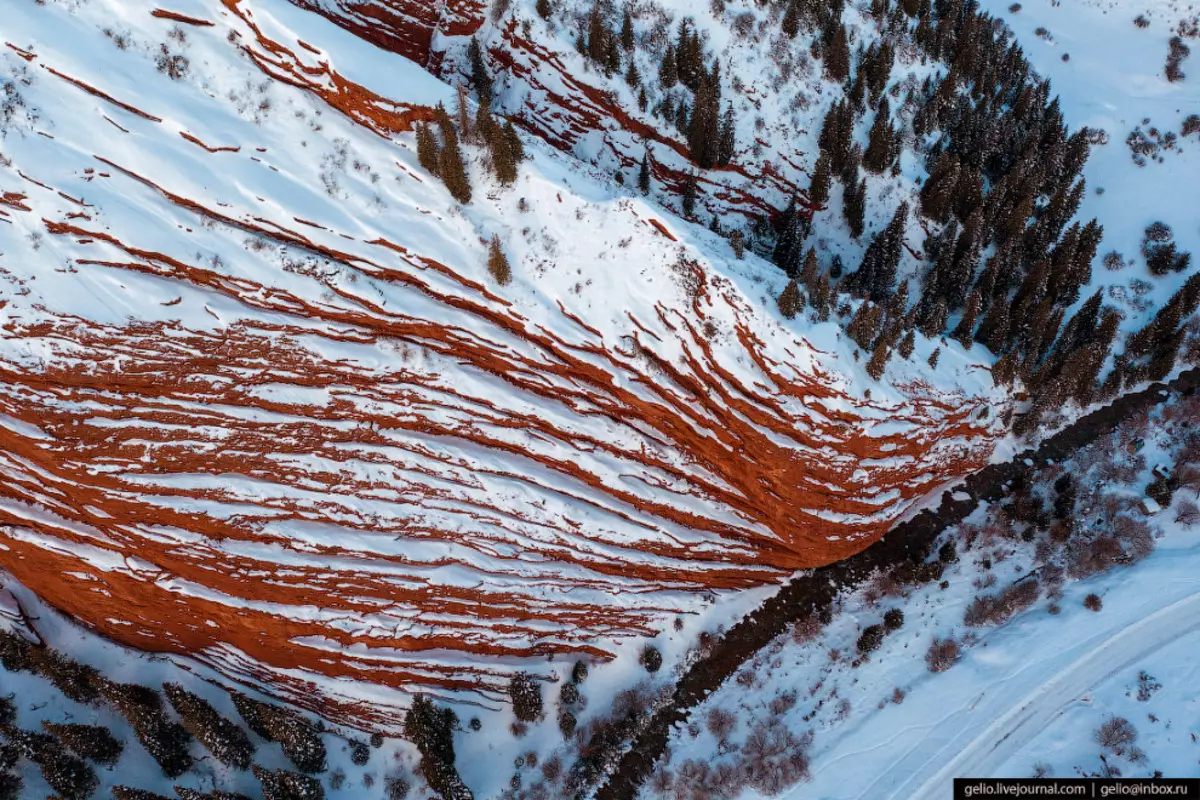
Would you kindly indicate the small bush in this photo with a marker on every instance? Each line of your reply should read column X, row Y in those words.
column 360, row 753
column 1092, row 602
column 567, row 724
column 720, row 723
column 775, row 758
column 526, row 695
column 1116, row 734
column 997, row 608
column 579, row 672
column 893, row 619
column 806, row 629
column 396, row 788
column 870, row 639
column 941, row 655
column 651, row 659
column 568, row 695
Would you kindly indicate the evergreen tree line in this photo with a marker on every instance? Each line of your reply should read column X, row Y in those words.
column 66, row 752
column 439, row 146
column 1004, row 183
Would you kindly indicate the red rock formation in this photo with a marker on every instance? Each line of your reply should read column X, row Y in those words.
column 288, row 495
column 406, row 27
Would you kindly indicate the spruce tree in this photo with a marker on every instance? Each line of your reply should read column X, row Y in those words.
column 633, row 78
column 965, row 330
column 543, row 8
column 643, row 181
column 837, row 56
column 993, row 331
column 878, row 156
column 854, row 207
column 497, row 262
column 481, row 80
column 907, row 344
column 668, row 74
column 689, row 195
column 299, row 738
column 876, row 275
column 166, row 741
column 737, row 240
column 627, row 41
column 789, row 242
column 879, row 358
column 818, row 190
column 726, row 143
column 791, row 19
column 450, row 161
column 431, row 729
column 864, row 327
column 428, row 149
column 790, row 302
column 93, row 742
column 227, row 742
column 934, row 357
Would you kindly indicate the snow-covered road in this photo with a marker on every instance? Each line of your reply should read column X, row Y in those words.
column 975, row 720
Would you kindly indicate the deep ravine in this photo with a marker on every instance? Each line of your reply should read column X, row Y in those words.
column 910, row 540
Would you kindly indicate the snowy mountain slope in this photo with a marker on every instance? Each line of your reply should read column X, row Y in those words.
column 1109, row 75
column 264, row 406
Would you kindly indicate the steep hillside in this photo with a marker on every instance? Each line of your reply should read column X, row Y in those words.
column 264, row 404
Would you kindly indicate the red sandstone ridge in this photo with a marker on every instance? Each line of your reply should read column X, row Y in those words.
column 406, row 27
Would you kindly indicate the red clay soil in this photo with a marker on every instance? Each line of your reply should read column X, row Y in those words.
column 102, row 95
column 175, row 16
column 227, row 149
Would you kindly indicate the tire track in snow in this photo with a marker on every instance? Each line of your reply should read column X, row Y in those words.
column 987, row 750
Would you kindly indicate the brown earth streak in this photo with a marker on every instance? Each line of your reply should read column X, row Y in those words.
column 77, row 494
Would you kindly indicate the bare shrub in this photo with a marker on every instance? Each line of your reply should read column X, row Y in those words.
column 1116, row 734
column 1177, row 52
column 806, row 629
column 783, row 703
column 1188, row 513
column 774, row 757
column 720, row 723
column 997, row 608
column 173, row 65
column 941, row 655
